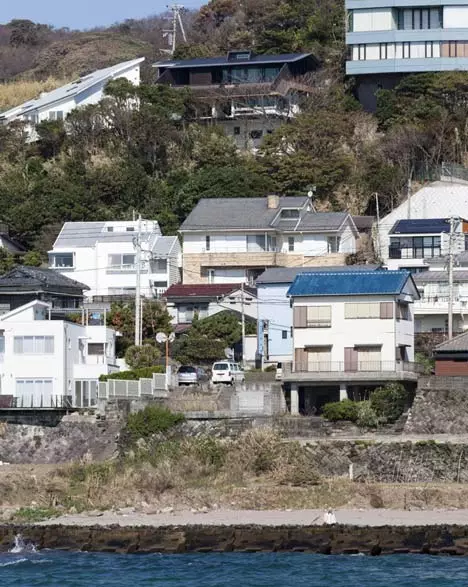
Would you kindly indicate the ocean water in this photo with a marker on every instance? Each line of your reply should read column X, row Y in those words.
column 53, row 568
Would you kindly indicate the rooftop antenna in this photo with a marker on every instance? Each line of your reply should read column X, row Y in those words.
column 171, row 34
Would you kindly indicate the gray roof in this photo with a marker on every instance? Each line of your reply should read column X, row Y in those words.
column 86, row 234
column 72, row 89
column 363, row 222
column 288, row 274
column 458, row 343
column 164, row 246
column 34, row 278
column 223, row 60
column 253, row 213
column 439, row 277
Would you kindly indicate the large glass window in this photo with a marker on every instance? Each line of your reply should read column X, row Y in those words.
column 121, row 262
column 86, row 393
column 415, row 247
column 34, row 393
column 33, row 345
column 419, row 18
column 60, row 260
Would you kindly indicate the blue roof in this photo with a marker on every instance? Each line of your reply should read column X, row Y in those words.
column 338, row 283
column 223, row 61
column 421, row 226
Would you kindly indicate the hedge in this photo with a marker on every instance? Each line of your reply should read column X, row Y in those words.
column 135, row 374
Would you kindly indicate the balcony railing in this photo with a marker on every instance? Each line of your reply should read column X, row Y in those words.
column 358, row 367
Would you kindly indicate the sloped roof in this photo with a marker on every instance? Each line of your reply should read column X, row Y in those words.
column 439, row 277
column 164, row 246
column 37, row 278
column 223, row 60
column 253, row 213
column 205, row 290
column 363, row 222
column 458, row 343
column 421, row 226
column 86, row 234
column 349, row 283
column 72, row 89
column 288, row 274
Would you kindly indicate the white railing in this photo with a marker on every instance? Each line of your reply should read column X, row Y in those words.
column 125, row 389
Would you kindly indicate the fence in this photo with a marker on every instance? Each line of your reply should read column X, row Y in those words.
column 125, row 389
column 39, row 401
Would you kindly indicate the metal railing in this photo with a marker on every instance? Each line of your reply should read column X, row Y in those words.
column 357, row 367
column 126, row 389
column 33, row 401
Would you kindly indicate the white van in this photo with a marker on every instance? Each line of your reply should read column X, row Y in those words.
column 227, row 372
column 279, row 371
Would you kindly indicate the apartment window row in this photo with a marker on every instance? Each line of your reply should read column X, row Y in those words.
column 387, row 19
column 416, row 50
column 33, row 345
column 419, row 18
column 415, row 247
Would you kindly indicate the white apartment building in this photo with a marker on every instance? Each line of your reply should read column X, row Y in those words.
column 352, row 331
column 388, row 39
column 102, row 255
column 233, row 240
column 47, row 363
column 57, row 104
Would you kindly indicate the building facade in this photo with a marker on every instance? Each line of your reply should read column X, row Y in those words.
column 47, row 363
column 103, row 256
column 57, row 104
column 388, row 39
column 248, row 95
column 352, row 332
column 233, row 240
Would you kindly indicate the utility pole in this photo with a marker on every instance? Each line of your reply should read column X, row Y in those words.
column 377, row 209
column 243, row 324
column 453, row 224
column 409, row 192
column 137, row 244
column 171, row 34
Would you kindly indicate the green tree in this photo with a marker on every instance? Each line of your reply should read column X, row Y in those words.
column 138, row 357
column 32, row 259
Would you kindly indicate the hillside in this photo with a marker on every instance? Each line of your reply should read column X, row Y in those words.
column 160, row 165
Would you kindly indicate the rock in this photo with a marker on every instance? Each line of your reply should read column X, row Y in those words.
column 126, row 511
column 72, row 510
column 167, row 510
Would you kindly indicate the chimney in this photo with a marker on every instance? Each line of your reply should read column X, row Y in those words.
column 273, row 201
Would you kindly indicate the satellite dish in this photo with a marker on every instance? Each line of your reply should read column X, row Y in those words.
column 161, row 337
column 172, row 337
column 229, row 353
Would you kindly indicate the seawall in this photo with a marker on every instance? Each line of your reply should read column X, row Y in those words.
column 341, row 539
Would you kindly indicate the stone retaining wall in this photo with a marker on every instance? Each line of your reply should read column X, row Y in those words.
column 452, row 540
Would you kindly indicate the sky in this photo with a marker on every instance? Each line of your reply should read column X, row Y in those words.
column 84, row 14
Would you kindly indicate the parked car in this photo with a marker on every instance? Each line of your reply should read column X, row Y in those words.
column 279, row 371
column 189, row 375
column 227, row 372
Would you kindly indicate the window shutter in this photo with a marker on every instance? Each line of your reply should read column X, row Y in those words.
column 300, row 360
column 386, row 310
column 300, row 317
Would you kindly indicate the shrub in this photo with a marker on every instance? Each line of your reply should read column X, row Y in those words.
column 344, row 410
column 134, row 374
column 142, row 356
column 151, row 420
column 367, row 418
column 389, row 402
column 31, row 515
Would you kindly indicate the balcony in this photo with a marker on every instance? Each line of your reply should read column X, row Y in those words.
column 367, row 371
column 438, row 305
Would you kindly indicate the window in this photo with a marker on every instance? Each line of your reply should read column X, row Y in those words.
column 85, row 394
column 289, row 214
column 207, row 242
column 110, row 229
column 256, row 134
column 161, row 264
column 419, row 18
column 130, row 229
column 255, row 242
column 362, row 310
column 291, row 243
column 2, row 344
column 33, row 345
column 333, row 244
column 56, row 115
column 383, row 51
column 417, row 247
column 318, row 316
column 284, row 334
column 96, row 348
column 121, row 262
column 406, row 51
column 236, row 130
column 350, row 21
column 361, row 52
column 403, row 312
column 34, row 392
column 61, row 260
column 271, row 243
column 386, row 310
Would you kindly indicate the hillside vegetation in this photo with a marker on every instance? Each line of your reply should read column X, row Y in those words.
column 160, row 164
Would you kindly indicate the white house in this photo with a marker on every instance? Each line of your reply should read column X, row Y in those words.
column 46, row 363
column 437, row 202
column 233, row 240
column 352, row 332
column 185, row 301
column 57, row 104
column 102, row 255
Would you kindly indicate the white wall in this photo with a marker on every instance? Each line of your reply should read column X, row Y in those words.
column 455, row 17
column 350, row 332
column 374, row 19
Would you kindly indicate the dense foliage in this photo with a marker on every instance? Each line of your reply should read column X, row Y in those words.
column 134, row 374
column 389, row 402
column 344, row 410
column 151, row 420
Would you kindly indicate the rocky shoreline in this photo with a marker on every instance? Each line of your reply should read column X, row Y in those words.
column 340, row 539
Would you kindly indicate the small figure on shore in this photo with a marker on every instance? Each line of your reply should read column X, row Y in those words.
column 329, row 517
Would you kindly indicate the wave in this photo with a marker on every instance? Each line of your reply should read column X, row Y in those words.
column 15, row 562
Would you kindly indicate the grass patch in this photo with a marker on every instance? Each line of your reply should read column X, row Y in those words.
column 150, row 421
column 35, row 514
